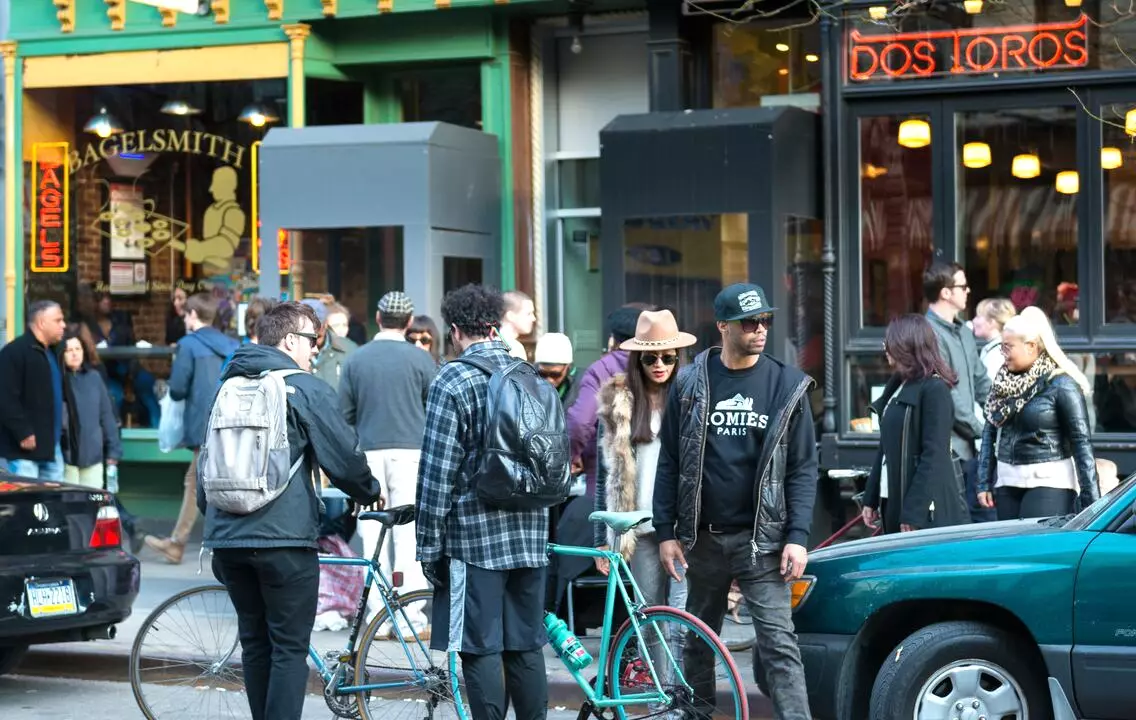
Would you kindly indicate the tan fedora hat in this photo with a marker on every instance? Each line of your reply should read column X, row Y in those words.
column 658, row 331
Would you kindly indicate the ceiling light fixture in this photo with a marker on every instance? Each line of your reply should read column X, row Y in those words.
column 180, row 108
column 1072, row 3
column 972, row 7
column 782, row 47
column 1025, row 166
column 1130, row 122
column 976, row 155
column 1111, row 158
column 258, row 115
column 103, row 124
column 812, row 57
column 914, row 133
column 1068, row 182
column 877, row 12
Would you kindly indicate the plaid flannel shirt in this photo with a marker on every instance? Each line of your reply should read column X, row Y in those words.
column 452, row 520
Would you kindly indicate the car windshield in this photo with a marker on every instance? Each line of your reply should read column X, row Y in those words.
column 1086, row 517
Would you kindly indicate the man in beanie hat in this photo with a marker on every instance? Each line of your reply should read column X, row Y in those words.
column 581, row 414
column 734, row 492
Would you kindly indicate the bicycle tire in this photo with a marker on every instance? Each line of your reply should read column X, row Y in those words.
column 627, row 630
column 368, row 637
column 151, row 619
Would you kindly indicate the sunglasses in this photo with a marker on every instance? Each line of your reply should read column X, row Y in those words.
column 312, row 338
column 424, row 340
column 649, row 359
column 752, row 324
column 551, row 372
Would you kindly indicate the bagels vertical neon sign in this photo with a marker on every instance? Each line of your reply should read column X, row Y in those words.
column 51, row 214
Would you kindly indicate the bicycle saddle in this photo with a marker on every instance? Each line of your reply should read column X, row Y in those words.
column 621, row 522
column 390, row 517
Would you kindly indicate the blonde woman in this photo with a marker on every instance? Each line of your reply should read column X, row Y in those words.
column 1036, row 459
column 990, row 317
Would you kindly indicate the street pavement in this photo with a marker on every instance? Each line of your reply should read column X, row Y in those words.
column 108, row 660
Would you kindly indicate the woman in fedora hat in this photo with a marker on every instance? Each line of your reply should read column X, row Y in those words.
column 629, row 414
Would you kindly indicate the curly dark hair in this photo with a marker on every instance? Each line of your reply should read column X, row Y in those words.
column 473, row 309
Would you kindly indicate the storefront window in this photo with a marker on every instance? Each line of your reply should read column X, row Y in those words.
column 752, row 63
column 1118, row 163
column 683, row 262
column 1114, row 390
column 444, row 94
column 1006, row 39
column 357, row 266
column 895, row 214
column 1017, row 181
column 867, row 377
column 579, row 183
column 804, row 239
column 159, row 188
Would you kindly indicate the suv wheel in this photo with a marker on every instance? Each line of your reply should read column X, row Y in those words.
column 10, row 657
column 960, row 671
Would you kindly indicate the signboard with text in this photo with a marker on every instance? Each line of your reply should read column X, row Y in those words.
column 967, row 51
column 50, row 250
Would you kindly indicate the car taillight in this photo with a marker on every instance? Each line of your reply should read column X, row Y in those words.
column 108, row 529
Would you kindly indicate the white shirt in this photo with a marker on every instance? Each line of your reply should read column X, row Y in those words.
column 646, row 459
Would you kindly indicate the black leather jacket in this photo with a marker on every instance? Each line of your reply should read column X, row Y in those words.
column 1053, row 425
column 785, row 487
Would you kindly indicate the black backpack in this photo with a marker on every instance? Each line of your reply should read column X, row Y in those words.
column 524, row 458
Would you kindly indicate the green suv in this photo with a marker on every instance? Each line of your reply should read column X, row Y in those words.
column 1021, row 620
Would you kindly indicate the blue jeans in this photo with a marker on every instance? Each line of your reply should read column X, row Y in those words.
column 50, row 470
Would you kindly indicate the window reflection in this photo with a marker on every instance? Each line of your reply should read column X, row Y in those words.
column 682, row 262
column 1016, row 174
column 1118, row 168
column 895, row 214
column 1114, row 392
column 867, row 376
column 805, row 317
column 753, row 60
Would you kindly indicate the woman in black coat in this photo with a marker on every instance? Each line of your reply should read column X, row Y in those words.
column 916, row 482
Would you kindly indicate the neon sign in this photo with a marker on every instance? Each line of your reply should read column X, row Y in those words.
column 283, row 238
column 51, row 216
column 968, row 51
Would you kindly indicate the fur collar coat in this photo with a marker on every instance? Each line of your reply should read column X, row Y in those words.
column 618, row 486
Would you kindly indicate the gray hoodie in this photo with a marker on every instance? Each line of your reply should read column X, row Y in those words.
column 959, row 349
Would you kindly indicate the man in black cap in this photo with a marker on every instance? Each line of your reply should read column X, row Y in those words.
column 734, row 492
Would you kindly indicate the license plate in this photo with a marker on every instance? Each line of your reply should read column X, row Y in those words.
column 51, row 598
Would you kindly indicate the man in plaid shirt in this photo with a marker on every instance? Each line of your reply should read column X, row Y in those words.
column 487, row 565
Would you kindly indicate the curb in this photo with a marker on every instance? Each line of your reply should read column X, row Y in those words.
column 94, row 664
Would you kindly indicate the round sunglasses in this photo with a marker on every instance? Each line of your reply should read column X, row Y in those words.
column 649, row 359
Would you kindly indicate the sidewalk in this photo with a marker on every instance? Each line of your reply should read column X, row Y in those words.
column 109, row 659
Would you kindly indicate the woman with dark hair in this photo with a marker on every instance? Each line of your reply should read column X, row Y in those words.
column 423, row 333
column 916, row 481
column 175, row 316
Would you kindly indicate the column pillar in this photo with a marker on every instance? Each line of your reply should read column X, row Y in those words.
column 668, row 57
column 11, row 164
column 297, row 104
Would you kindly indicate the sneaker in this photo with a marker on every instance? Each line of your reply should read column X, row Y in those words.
column 168, row 547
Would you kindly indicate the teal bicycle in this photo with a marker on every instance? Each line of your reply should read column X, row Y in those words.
column 645, row 668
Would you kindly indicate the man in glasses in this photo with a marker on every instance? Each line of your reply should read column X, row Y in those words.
column 553, row 358
column 198, row 360
column 734, row 492
column 333, row 347
column 947, row 292
column 382, row 392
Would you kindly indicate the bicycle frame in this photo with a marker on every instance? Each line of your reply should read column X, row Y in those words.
column 619, row 570
column 374, row 578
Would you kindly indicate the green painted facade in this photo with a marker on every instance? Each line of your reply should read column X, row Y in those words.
column 358, row 44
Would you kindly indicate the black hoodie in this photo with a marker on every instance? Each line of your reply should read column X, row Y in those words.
column 292, row 520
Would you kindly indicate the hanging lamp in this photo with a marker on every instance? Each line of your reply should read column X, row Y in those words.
column 972, row 7
column 258, row 114
column 1067, row 182
column 1072, row 3
column 103, row 124
column 180, row 108
column 914, row 133
column 1026, row 166
column 1111, row 158
column 976, row 155
column 878, row 12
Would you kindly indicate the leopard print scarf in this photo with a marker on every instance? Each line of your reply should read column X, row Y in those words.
column 1011, row 391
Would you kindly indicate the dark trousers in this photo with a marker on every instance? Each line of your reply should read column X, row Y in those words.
column 275, row 591
column 493, row 681
column 714, row 563
column 1020, row 503
column 977, row 512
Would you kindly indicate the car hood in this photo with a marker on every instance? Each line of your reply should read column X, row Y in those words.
column 938, row 536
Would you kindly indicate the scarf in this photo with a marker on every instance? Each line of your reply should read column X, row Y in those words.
column 1012, row 391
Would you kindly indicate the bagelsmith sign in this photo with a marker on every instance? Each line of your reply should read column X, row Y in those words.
column 968, row 51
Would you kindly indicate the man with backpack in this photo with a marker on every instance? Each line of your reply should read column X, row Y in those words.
column 269, row 428
column 484, row 486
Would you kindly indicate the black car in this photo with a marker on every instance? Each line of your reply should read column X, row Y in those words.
column 63, row 573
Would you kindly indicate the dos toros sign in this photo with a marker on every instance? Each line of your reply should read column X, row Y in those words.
column 968, row 51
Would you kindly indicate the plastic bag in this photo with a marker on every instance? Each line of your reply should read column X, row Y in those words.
column 171, row 428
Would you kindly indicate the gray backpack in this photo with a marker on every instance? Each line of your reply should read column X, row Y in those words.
column 245, row 461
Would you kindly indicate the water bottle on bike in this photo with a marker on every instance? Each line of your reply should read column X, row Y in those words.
column 565, row 643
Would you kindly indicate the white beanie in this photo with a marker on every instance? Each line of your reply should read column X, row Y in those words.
column 553, row 349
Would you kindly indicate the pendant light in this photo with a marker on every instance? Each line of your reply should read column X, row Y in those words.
column 1068, row 182
column 180, row 108
column 878, row 12
column 976, row 155
column 1072, row 3
column 1026, row 166
column 103, row 124
column 1130, row 122
column 914, row 133
column 1111, row 158
column 258, row 115
column 972, row 7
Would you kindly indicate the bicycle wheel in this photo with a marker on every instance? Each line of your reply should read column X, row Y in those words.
column 417, row 682
column 673, row 638
column 185, row 661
